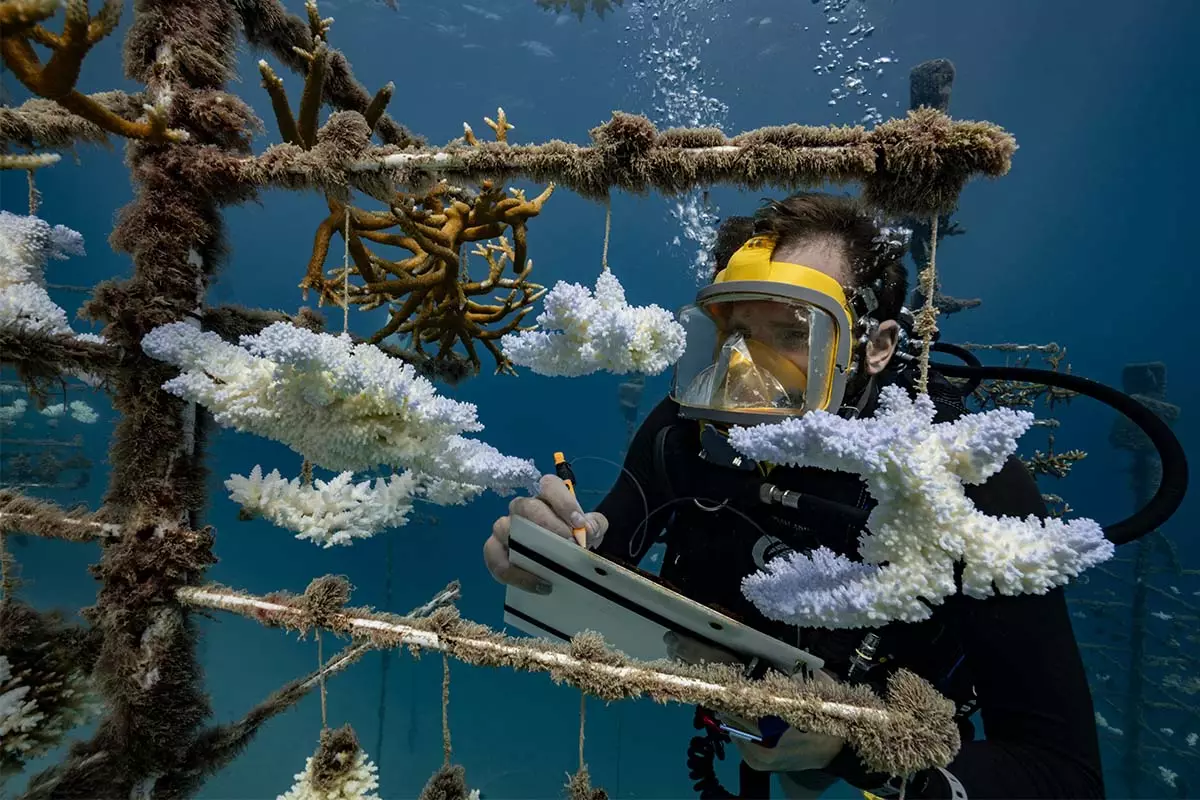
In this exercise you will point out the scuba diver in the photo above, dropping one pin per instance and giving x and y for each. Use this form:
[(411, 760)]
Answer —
[(806, 312)]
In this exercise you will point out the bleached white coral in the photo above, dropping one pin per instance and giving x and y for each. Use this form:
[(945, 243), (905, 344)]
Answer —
[(9, 414), (26, 244), (582, 333), (356, 782), (330, 512), (19, 715), (923, 524), (80, 411), (343, 406)]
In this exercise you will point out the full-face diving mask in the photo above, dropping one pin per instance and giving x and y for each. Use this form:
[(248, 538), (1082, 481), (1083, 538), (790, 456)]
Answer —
[(766, 340)]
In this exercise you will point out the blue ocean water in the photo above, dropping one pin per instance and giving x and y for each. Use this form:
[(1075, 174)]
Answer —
[(1088, 242)]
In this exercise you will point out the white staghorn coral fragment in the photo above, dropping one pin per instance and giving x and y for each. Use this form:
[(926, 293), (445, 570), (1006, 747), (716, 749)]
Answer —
[(9, 414), (80, 411), (343, 406), (339, 770), (19, 715), (923, 524), (330, 512), (583, 333), (26, 244)]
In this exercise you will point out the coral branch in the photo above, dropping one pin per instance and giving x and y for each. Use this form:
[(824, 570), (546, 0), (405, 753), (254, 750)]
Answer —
[(49, 125), (55, 80), (268, 25), (912, 730)]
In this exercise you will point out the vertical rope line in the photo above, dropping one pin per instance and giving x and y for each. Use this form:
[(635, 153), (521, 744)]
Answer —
[(926, 323), (346, 274), (34, 195), (607, 230), (582, 722), (446, 709), (6, 580), (321, 674)]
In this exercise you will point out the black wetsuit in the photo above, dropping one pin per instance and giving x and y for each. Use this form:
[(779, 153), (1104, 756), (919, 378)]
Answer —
[(1014, 658)]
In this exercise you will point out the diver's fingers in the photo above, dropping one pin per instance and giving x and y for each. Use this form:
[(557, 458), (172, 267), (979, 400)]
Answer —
[(539, 513), (495, 556), (555, 491), (601, 527), (500, 531)]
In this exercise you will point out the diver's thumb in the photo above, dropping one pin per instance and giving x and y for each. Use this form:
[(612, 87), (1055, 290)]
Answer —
[(600, 523)]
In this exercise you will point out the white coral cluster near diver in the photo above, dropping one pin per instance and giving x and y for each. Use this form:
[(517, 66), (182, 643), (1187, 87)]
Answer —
[(341, 405), (338, 511), (923, 524), (581, 333)]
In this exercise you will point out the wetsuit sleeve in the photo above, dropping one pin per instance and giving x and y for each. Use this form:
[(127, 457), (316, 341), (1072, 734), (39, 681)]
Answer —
[(638, 491), (1033, 695)]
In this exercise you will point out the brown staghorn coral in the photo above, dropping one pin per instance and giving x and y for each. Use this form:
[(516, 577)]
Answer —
[(268, 25), (20, 29), (430, 296), (44, 123)]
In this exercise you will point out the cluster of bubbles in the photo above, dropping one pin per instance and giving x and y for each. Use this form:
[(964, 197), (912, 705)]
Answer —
[(842, 54), (665, 40)]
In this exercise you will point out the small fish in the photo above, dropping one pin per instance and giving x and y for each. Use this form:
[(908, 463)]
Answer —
[(537, 48), (482, 12)]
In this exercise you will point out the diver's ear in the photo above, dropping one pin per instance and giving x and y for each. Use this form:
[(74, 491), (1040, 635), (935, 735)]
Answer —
[(882, 346)]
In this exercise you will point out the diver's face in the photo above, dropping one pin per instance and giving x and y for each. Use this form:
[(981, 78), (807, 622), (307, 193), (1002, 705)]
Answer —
[(782, 327), (829, 257), (779, 326)]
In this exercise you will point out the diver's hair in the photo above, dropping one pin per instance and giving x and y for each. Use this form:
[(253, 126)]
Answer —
[(732, 233), (875, 260)]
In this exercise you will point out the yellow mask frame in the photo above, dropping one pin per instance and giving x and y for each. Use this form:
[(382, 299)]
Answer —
[(752, 272)]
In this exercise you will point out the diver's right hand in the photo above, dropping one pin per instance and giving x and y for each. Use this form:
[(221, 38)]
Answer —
[(555, 509)]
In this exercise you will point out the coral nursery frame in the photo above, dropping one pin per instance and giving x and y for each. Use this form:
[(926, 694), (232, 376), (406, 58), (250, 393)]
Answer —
[(190, 151)]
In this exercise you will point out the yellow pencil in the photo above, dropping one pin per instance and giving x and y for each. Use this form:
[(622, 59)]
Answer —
[(563, 470)]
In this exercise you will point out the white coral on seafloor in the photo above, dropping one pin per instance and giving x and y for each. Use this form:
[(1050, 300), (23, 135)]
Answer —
[(924, 522), (343, 406), (582, 333), (26, 244), (339, 770)]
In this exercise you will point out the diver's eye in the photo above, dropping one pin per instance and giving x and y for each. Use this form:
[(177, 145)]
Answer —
[(794, 339)]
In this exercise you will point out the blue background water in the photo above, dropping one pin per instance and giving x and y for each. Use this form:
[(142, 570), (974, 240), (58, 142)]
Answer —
[(1088, 242)]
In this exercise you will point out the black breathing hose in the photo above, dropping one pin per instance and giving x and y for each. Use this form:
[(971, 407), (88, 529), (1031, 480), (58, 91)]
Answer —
[(1171, 488)]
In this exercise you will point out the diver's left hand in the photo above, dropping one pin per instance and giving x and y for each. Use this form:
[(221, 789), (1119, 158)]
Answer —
[(795, 751)]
